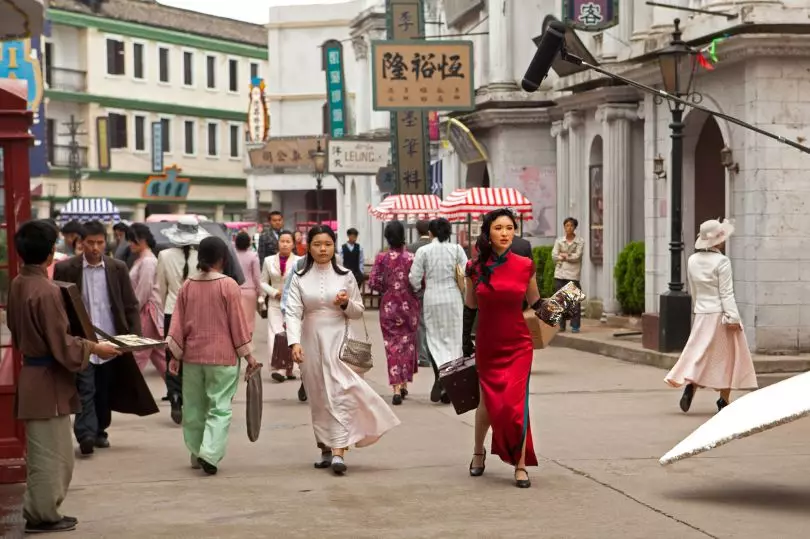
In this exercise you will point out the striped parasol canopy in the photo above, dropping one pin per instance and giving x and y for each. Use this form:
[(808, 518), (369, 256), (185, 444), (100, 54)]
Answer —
[(90, 209), (403, 206), (476, 201)]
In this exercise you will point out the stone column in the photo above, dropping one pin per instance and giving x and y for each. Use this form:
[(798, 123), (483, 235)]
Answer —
[(140, 213), (617, 170), (219, 213), (577, 167), (362, 106), (642, 20), (626, 20), (501, 77), (563, 197)]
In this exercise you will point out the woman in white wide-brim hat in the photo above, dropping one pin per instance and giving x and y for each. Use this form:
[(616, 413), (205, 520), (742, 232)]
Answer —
[(174, 266), (716, 356)]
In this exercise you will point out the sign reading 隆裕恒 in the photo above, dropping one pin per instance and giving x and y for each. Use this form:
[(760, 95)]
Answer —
[(591, 15), (335, 87), (423, 74), (357, 156)]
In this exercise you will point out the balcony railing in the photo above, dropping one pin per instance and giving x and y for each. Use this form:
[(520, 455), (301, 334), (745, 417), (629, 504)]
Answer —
[(62, 78), (59, 155)]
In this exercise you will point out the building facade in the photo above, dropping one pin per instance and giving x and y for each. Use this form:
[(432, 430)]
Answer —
[(137, 63), (599, 141)]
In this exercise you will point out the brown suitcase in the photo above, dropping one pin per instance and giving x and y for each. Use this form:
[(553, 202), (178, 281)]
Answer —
[(542, 333), (282, 357), (460, 380)]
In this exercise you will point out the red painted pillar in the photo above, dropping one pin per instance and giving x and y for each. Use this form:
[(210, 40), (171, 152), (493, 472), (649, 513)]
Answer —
[(15, 120)]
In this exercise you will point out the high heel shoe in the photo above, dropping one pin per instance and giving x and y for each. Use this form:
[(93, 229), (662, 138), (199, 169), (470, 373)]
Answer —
[(476, 471), (522, 483), (721, 403), (688, 395)]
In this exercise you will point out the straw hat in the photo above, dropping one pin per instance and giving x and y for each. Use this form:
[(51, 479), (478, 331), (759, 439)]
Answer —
[(713, 233), (186, 231)]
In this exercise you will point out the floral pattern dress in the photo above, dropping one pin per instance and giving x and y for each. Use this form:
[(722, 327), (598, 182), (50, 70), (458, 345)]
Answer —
[(399, 313)]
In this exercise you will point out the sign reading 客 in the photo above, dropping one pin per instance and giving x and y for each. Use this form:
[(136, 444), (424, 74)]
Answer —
[(591, 15), (357, 156), (258, 117), (335, 88), (423, 74), (286, 155)]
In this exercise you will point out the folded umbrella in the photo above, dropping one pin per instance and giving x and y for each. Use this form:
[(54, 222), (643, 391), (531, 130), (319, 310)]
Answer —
[(255, 402), (764, 409)]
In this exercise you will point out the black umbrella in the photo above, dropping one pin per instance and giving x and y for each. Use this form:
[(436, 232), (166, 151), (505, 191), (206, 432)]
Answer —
[(232, 268)]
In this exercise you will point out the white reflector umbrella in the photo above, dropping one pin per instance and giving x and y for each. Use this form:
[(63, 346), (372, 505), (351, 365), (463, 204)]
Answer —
[(755, 412)]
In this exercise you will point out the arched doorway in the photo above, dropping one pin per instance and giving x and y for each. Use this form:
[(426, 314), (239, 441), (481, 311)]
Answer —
[(704, 181)]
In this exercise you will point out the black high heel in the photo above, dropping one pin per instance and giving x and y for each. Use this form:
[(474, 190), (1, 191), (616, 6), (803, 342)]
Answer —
[(522, 483), (478, 471), (688, 395), (721, 403), (403, 391)]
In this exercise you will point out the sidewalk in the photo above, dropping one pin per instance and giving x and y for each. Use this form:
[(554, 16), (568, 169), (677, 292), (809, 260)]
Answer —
[(597, 338)]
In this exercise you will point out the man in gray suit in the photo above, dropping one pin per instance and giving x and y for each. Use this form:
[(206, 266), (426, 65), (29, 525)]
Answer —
[(424, 239)]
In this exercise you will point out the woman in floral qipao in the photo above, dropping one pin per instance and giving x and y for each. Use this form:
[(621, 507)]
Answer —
[(399, 310)]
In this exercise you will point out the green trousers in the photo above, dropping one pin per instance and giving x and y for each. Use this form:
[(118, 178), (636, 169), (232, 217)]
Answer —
[(208, 392)]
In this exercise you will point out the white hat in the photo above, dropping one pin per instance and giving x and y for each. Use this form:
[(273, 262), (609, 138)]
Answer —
[(186, 231), (713, 233)]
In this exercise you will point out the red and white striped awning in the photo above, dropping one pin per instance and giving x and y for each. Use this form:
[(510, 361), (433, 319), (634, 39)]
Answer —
[(479, 200), (401, 206)]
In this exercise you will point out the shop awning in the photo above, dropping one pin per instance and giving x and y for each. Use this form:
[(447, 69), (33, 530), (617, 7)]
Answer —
[(90, 209), (21, 18), (479, 200), (402, 206)]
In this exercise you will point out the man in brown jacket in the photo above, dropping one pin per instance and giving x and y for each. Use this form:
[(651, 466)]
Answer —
[(46, 389), (113, 308)]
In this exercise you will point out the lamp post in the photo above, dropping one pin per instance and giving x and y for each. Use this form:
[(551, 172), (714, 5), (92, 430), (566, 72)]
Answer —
[(319, 160), (51, 199), (677, 63)]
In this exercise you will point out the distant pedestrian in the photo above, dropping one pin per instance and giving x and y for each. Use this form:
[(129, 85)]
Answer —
[(251, 289), (323, 297), (423, 229), (144, 281), (209, 334), (567, 258), (300, 245), (399, 310), (46, 391), (716, 356), (438, 266), (268, 240), (352, 256), (276, 271), (71, 233)]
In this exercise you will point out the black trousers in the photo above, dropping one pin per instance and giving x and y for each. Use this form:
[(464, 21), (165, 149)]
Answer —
[(174, 384), (93, 385), (576, 319)]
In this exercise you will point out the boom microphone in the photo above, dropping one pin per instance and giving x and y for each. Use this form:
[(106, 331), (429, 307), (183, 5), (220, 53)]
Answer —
[(550, 44)]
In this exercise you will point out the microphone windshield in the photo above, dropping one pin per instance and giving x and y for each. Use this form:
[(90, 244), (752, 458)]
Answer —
[(550, 45)]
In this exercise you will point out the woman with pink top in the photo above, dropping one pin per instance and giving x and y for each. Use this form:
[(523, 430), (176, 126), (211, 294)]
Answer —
[(144, 281), (208, 333), (251, 288)]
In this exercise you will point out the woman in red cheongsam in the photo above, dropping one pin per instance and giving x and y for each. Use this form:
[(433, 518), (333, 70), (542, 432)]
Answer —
[(497, 283)]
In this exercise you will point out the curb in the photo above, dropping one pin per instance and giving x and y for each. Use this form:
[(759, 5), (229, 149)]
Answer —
[(661, 360)]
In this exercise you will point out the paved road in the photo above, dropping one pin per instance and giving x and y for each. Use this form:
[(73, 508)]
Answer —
[(600, 426)]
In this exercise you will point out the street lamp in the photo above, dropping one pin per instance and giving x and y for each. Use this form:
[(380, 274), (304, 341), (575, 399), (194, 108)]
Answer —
[(51, 187), (319, 160), (677, 63)]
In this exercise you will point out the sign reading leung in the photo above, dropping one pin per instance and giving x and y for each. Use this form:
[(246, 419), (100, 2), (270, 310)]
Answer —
[(357, 156)]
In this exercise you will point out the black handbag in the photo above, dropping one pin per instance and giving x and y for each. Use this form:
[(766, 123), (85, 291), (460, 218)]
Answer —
[(460, 380)]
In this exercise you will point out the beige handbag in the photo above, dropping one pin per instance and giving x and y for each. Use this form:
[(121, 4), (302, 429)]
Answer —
[(460, 282), (356, 353)]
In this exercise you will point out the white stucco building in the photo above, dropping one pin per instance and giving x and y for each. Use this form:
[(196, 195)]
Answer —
[(137, 62), (600, 140)]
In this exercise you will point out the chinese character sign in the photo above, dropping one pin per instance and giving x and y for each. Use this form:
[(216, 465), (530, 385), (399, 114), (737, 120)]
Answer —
[(258, 116), (423, 75), (167, 185), (21, 60), (286, 155), (335, 88), (591, 15)]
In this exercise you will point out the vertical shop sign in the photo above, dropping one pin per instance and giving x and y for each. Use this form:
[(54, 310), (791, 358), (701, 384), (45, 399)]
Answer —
[(335, 88)]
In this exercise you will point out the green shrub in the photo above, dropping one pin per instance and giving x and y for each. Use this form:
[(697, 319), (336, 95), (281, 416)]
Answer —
[(629, 276), (545, 269)]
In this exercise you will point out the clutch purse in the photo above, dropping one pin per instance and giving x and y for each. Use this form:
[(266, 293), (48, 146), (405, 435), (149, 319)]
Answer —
[(261, 308), (356, 353), (460, 380), (254, 403), (282, 357), (541, 332), (561, 305)]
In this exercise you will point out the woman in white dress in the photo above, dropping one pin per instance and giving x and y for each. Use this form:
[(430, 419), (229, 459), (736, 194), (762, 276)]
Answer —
[(276, 270), (442, 307), (322, 298)]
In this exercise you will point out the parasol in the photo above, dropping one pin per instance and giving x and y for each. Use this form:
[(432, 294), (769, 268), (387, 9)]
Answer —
[(480, 200), (232, 268), (402, 206), (755, 412)]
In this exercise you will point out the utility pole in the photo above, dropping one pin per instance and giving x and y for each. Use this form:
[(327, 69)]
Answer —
[(74, 159)]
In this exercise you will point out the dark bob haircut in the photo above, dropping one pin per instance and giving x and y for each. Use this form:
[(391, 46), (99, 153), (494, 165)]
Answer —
[(212, 251), (34, 241), (572, 221), (243, 241), (441, 229), (395, 234)]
